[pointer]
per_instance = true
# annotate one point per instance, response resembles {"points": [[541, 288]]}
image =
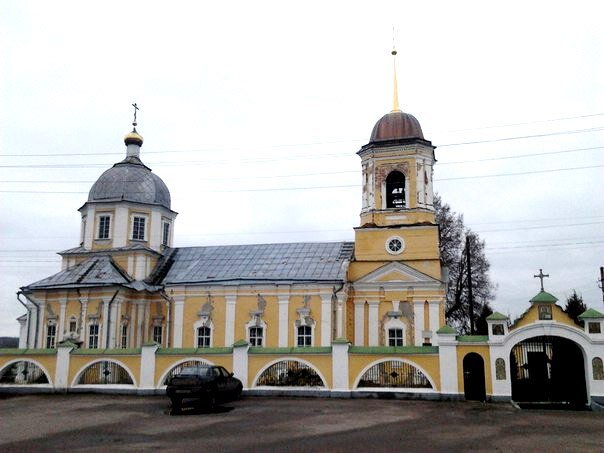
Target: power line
{"points": [[529, 122], [520, 137]]}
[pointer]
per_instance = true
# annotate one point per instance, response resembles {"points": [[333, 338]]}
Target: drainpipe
{"points": [[168, 300], [28, 319], [37, 316], [109, 319]]}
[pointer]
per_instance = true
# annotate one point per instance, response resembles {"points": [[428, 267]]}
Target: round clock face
{"points": [[395, 245]]}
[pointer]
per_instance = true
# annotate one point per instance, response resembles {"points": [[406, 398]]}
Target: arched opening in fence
{"points": [[178, 368], [103, 373], [290, 373], [394, 374], [23, 372]]}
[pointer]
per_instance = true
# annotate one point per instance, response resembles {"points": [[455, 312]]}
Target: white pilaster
{"points": [[447, 351], [40, 343], [83, 321], [114, 321], [229, 321], [147, 371], [140, 313], [339, 365], [155, 232], [89, 228], [373, 326], [359, 322], [61, 329], [418, 316], [105, 325], [325, 319], [179, 306], [340, 317], [132, 326], [240, 362], [434, 321], [283, 302]]}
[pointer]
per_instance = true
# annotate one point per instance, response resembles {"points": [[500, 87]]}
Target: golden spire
{"points": [[395, 106]]}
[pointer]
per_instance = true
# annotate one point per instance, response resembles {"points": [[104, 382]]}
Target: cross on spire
{"points": [[135, 110], [395, 106], [541, 276]]}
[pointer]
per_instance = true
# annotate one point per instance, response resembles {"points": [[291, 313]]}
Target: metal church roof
{"points": [[246, 264]]}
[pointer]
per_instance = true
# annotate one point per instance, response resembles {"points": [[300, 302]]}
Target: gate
{"points": [[473, 377], [548, 370]]}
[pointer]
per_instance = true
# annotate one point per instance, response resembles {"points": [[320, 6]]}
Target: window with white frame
{"points": [[158, 333], [395, 337], [51, 335], [124, 336], [138, 228], [304, 336], [93, 336], [165, 236], [73, 325], [104, 223], [204, 337], [256, 336]]}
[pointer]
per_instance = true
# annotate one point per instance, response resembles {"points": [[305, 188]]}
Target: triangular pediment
{"points": [[398, 273]]}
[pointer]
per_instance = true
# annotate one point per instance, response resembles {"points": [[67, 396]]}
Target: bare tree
{"points": [[454, 236]]}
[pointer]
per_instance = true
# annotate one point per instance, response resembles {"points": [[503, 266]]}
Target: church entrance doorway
{"points": [[548, 370], [473, 377]]}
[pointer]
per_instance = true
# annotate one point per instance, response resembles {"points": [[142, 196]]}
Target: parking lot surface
{"points": [[101, 422]]}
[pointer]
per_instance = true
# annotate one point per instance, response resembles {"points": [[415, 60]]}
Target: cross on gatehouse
{"points": [[540, 276], [135, 110]]}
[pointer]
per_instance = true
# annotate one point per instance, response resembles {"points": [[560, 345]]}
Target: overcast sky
{"points": [[252, 113]]}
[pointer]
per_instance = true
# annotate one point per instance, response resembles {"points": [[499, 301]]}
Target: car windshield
{"points": [[195, 371]]}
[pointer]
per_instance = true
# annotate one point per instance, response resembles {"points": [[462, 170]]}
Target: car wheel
{"points": [[238, 391], [176, 406], [211, 402]]}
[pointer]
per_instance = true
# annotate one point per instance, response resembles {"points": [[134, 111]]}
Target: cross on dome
{"points": [[541, 276]]}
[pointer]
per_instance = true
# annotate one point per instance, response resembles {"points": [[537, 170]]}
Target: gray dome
{"points": [[130, 180]]}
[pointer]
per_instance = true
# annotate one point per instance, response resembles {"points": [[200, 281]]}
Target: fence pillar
{"points": [[240, 361], [64, 349], [339, 365], [447, 351], [147, 370]]}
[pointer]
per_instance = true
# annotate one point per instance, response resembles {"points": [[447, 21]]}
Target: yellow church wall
{"points": [[244, 305], [271, 318], [384, 217], [421, 243], [532, 315], [483, 351], [321, 362], [428, 362], [46, 358], [191, 308], [80, 361], [314, 304], [165, 362]]}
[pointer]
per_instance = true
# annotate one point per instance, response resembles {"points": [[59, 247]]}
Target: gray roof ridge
{"points": [[263, 243]]}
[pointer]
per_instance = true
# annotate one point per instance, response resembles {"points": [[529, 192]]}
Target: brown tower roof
{"points": [[396, 125]]}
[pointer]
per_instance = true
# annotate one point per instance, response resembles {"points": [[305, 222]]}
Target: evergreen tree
{"points": [[575, 306], [453, 237]]}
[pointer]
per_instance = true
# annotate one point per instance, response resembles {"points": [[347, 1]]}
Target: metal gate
{"points": [[548, 370], [396, 374]]}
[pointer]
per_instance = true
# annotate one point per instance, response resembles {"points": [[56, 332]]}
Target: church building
{"points": [[128, 309]]}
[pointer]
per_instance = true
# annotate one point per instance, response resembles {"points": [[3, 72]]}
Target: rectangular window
{"points": [[165, 234], [395, 337], [594, 327], [256, 334], [104, 224], [203, 337], [304, 336], [157, 334], [138, 228], [73, 326], [93, 336], [51, 335], [124, 335]]}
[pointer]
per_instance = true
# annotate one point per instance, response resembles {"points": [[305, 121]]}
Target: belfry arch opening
{"points": [[395, 190], [548, 369]]}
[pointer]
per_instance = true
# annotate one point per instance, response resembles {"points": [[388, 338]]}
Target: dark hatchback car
{"points": [[209, 384]]}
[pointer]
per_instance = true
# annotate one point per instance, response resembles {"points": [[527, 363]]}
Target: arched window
{"points": [[395, 190], [204, 337]]}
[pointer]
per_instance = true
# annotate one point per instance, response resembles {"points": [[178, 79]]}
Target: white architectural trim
{"points": [[202, 323], [229, 321], [252, 323], [397, 359], [373, 323], [61, 327], [418, 323], [282, 359], [283, 302], [179, 305], [103, 359], [359, 323], [325, 319], [394, 323], [434, 319]]}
